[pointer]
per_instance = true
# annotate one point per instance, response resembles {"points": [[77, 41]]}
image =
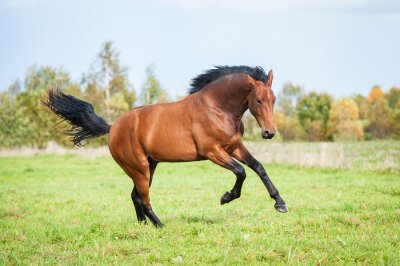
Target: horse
{"points": [[205, 125]]}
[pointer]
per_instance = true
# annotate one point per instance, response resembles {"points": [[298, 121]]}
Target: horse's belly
{"points": [[165, 133], [174, 144], [172, 151]]}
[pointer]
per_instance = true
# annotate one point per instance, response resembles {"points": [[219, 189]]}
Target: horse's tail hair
{"points": [[85, 124]]}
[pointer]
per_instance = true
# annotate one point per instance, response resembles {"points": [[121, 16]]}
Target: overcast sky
{"points": [[338, 46]]}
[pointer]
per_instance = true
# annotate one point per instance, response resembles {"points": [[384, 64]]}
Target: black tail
{"points": [[85, 124]]}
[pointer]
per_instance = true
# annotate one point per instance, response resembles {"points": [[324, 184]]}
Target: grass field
{"points": [[72, 210]]}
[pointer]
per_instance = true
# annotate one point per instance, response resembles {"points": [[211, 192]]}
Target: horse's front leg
{"points": [[244, 156], [220, 157]]}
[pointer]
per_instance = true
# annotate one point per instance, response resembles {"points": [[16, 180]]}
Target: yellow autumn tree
{"points": [[381, 120], [314, 130], [396, 125], [344, 123], [363, 106], [288, 127], [375, 94]]}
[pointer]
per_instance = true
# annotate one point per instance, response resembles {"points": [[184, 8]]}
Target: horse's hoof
{"points": [[225, 198], [159, 225], [281, 208]]}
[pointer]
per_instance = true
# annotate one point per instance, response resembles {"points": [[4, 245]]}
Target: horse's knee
{"points": [[239, 172]]}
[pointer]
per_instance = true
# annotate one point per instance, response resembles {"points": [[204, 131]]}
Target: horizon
{"points": [[339, 47]]}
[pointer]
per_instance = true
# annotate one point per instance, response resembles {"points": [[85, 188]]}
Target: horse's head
{"points": [[261, 105]]}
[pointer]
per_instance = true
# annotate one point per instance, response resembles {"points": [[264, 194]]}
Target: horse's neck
{"points": [[230, 99]]}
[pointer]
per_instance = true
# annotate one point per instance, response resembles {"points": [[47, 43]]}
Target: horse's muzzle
{"points": [[268, 135]]}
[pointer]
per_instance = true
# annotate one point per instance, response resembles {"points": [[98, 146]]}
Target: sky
{"points": [[342, 47]]}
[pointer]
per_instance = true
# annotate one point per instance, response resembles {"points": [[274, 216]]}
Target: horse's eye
{"points": [[259, 102]]}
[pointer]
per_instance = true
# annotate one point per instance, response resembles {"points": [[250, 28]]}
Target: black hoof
{"points": [[142, 221], [160, 225], [226, 198], [281, 208]]}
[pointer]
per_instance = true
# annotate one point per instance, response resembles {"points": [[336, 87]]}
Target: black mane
{"points": [[210, 75]]}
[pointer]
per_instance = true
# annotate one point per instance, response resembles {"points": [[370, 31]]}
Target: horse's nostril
{"points": [[268, 135]]}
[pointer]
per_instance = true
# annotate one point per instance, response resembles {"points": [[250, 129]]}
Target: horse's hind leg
{"points": [[135, 197], [140, 192], [142, 184], [138, 206]]}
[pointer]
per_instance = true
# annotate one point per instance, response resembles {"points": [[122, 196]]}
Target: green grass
{"points": [[71, 210]]}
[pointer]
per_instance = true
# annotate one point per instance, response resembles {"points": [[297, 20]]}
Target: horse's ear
{"points": [[270, 78]]}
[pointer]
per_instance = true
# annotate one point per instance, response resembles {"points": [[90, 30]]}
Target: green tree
{"points": [[393, 97], [107, 86], [38, 120], [14, 127], [14, 89], [344, 122], [286, 119], [288, 98], [313, 113], [152, 91]]}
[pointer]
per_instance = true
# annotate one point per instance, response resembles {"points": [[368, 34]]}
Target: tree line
{"points": [[298, 115], [25, 122]]}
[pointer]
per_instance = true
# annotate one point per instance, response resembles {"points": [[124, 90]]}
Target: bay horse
{"points": [[205, 125]]}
